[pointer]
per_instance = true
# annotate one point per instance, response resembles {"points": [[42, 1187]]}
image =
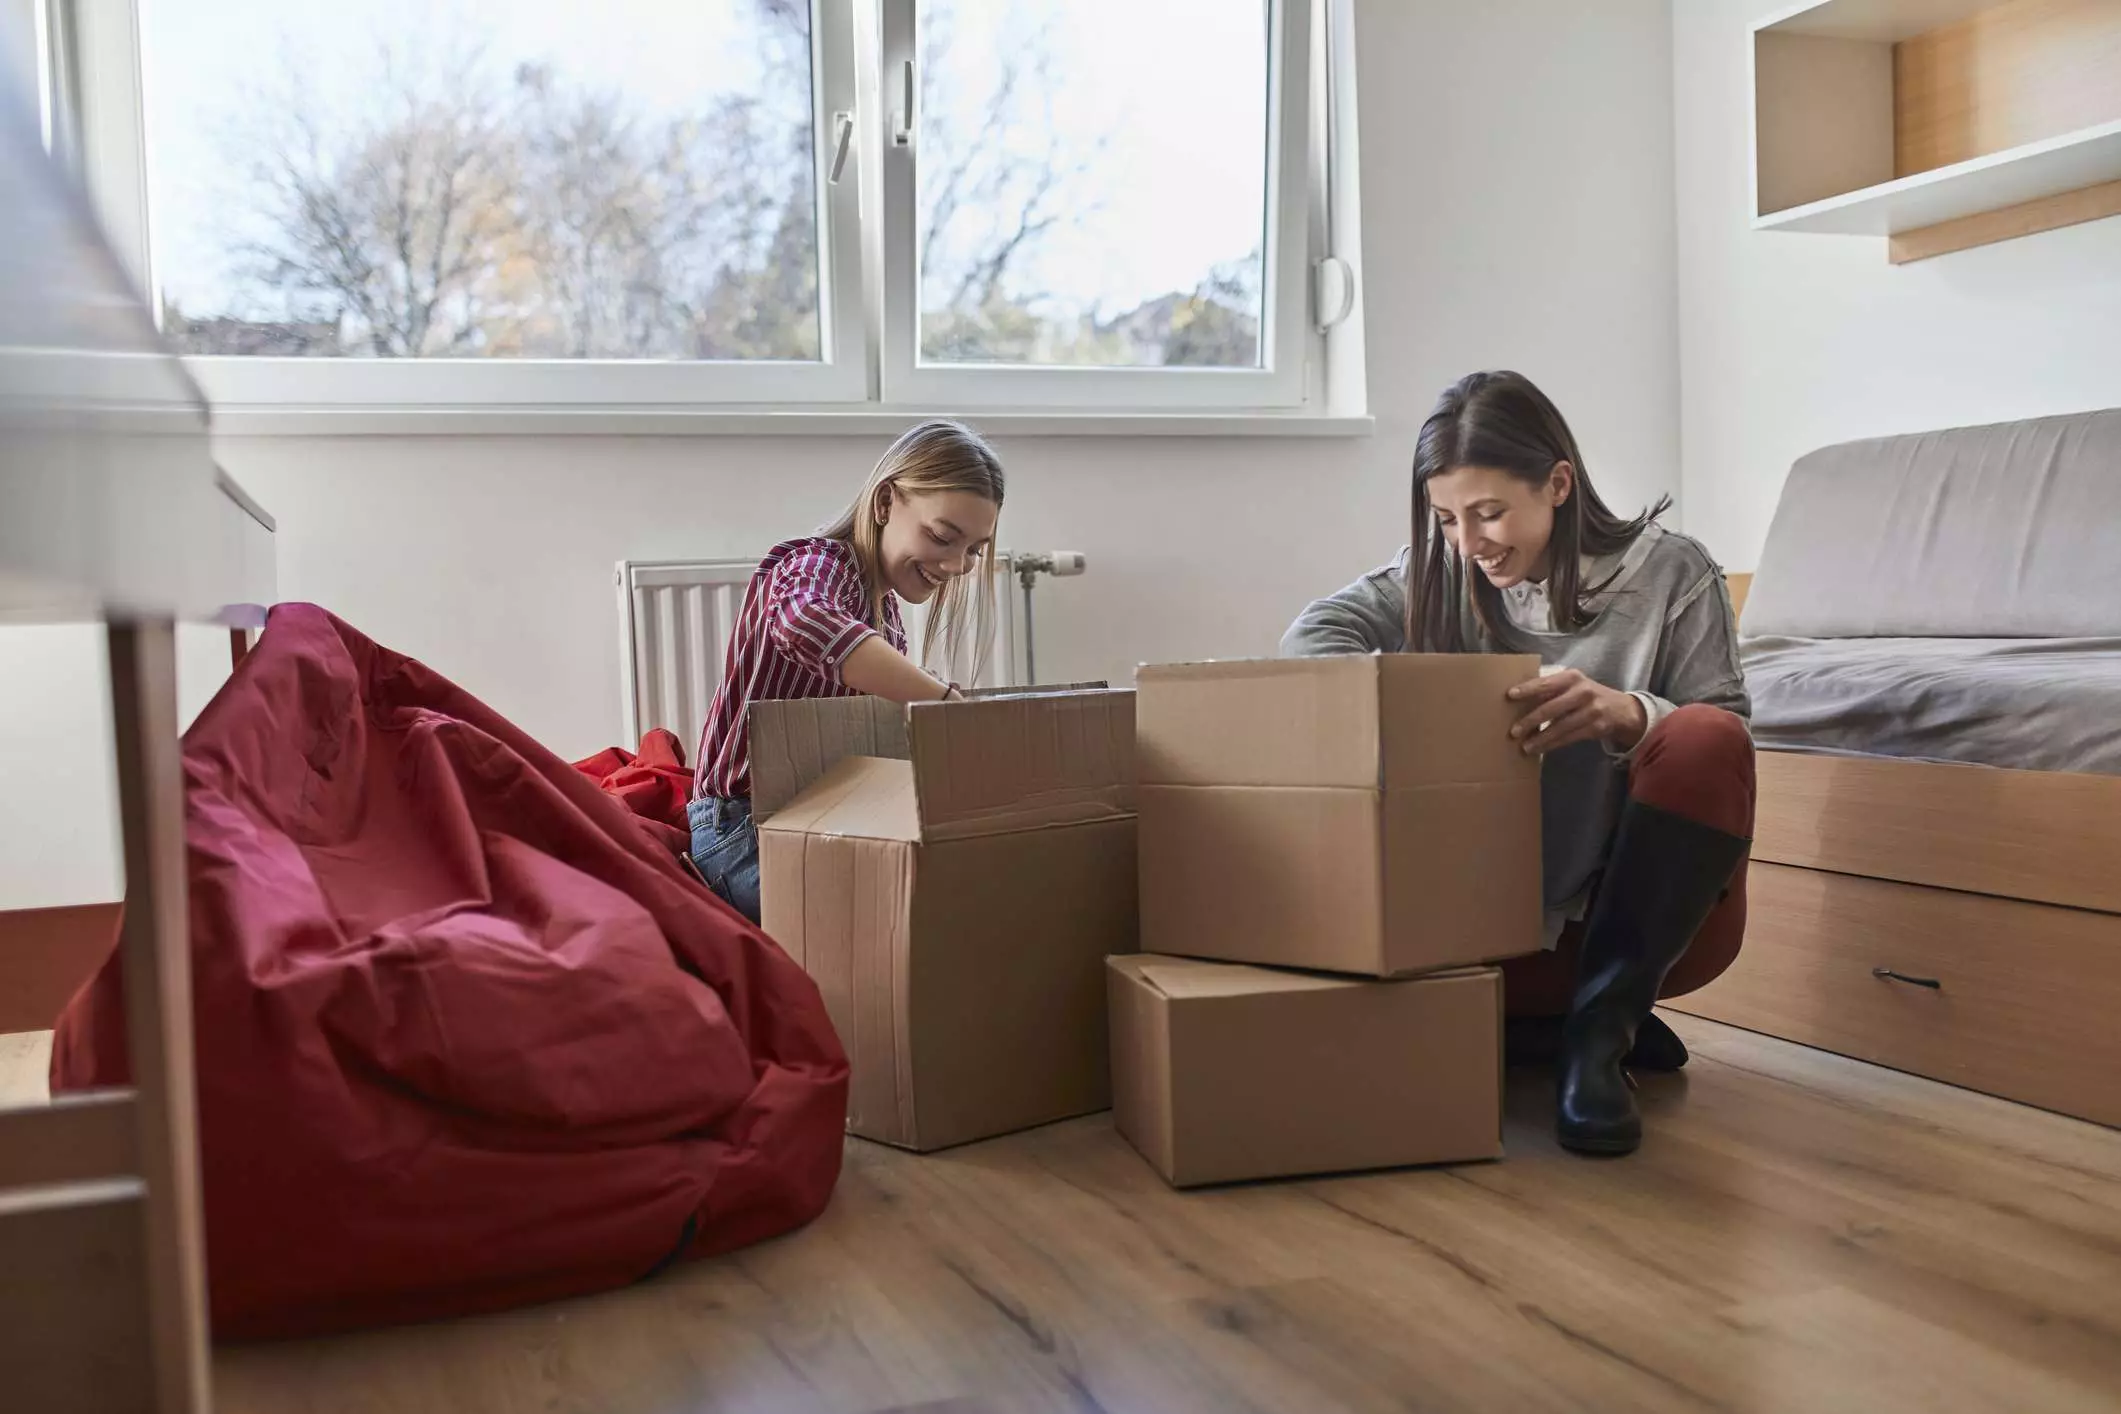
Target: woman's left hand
{"points": [[1573, 708]]}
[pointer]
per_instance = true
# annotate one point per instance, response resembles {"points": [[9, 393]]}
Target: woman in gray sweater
{"points": [[1639, 713]]}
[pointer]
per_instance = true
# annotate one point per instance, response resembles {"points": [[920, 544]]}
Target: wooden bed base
{"points": [[1959, 922], [102, 1278]]}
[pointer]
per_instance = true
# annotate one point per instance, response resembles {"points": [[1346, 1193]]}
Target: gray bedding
{"points": [[2040, 704]]}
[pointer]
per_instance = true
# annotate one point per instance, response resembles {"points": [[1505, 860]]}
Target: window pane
{"points": [[1093, 180], [483, 178]]}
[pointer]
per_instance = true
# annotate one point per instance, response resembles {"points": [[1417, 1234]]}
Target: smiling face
{"points": [[1499, 521], [931, 537]]}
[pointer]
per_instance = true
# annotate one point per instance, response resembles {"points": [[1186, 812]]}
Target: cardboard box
{"points": [[1223, 1072], [1367, 815], [953, 877]]}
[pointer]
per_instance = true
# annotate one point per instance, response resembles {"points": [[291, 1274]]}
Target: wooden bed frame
{"points": [[102, 1258], [112, 512], [1959, 922]]}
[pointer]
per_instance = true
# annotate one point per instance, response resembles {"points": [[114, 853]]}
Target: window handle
{"points": [[843, 124], [1887, 974], [1332, 291], [902, 123]]}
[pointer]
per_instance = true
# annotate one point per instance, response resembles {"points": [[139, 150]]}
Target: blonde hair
{"points": [[935, 456]]}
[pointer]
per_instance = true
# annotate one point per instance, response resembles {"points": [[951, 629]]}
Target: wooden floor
{"points": [[1800, 1232]]}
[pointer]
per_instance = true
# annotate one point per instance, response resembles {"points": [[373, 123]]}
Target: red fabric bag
{"points": [[467, 1036]]}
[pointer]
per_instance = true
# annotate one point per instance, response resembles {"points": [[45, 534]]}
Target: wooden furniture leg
{"points": [[157, 962]]}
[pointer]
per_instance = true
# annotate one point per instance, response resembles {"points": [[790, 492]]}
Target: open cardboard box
{"points": [[1367, 815], [953, 877], [1225, 1072]]}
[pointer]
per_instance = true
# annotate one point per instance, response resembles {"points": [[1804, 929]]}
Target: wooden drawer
{"points": [[2046, 836], [2026, 1004]]}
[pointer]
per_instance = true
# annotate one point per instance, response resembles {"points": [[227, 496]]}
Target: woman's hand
{"points": [[880, 670], [1566, 707]]}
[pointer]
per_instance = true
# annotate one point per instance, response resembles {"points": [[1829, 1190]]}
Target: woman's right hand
{"points": [[1561, 709]]}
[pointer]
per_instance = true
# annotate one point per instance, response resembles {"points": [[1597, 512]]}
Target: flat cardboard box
{"points": [[1222, 1072], [1367, 815], [953, 878]]}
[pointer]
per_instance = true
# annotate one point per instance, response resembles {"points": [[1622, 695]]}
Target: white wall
{"points": [[59, 821], [1517, 211], [1790, 342], [1517, 163]]}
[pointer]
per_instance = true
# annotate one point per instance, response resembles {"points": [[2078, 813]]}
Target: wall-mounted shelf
{"points": [[1939, 123]]}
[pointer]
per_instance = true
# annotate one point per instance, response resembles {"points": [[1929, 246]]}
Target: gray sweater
{"points": [[1664, 631]]}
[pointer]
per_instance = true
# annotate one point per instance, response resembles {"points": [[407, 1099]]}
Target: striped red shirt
{"points": [[805, 610]]}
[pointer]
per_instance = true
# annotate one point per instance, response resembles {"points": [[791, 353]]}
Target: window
{"points": [[529, 179], [1062, 204], [1088, 205]]}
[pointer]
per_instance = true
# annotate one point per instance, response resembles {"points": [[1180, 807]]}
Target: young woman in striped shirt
{"points": [[821, 619]]}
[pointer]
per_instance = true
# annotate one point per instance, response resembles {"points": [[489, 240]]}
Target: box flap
{"points": [[864, 797], [1267, 722], [793, 743], [1050, 689], [1010, 763], [1445, 719], [1005, 982], [1180, 978]]}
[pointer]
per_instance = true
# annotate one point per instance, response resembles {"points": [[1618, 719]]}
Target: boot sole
{"points": [[1582, 1142]]}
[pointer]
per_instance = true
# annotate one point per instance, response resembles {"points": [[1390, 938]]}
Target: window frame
{"points": [[868, 310], [1280, 383], [116, 148]]}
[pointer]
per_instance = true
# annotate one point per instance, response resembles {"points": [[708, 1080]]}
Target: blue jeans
{"points": [[725, 849]]}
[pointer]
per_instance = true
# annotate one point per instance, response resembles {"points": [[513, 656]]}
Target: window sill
{"points": [[238, 421]]}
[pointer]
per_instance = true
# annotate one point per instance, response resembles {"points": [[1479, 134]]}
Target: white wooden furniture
{"points": [[1939, 123], [111, 509]]}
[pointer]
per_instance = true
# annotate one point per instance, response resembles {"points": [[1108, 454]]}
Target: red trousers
{"points": [[1698, 762]]}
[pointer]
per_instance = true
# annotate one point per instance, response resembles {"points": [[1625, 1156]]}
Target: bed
{"points": [[1933, 645]]}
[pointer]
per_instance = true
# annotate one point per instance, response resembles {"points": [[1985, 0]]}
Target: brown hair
{"points": [[1501, 420], [935, 456]]}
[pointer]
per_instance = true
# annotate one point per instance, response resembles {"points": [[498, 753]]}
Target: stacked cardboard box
{"points": [[953, 878], [1364, 818]]}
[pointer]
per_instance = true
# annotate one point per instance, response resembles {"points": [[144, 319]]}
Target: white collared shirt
{"points": [[1530, 611]]}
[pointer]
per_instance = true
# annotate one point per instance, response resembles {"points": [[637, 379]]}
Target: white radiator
{"points": [[674, 623]]}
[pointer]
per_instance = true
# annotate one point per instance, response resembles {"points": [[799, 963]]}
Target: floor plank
{"points": [[1801, 1231]]}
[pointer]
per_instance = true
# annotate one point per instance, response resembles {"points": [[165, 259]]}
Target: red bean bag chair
{"points": [[468, 1037]]}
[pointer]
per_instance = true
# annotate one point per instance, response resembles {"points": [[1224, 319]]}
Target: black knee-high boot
{"points": [[1665, 875]]}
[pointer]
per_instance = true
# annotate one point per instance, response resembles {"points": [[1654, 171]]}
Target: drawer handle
{"points": [[1891, 976]]}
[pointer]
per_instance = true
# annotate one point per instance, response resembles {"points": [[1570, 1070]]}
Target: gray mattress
{"points": [[2038, 704]]}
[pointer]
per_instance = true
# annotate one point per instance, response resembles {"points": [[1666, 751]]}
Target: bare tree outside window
{"points": [[1085, 201], [537, 179]]}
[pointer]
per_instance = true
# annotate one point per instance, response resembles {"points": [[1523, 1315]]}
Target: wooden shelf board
{"points": [[1879, 21], [2029, 172]]}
